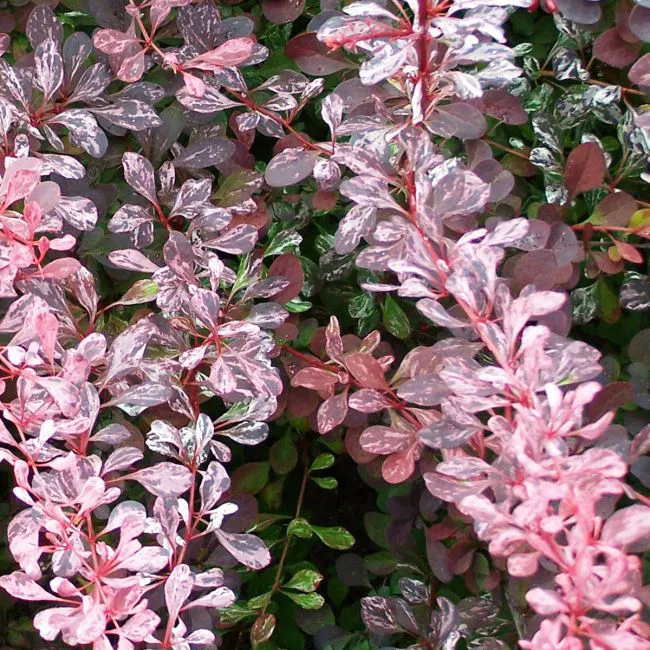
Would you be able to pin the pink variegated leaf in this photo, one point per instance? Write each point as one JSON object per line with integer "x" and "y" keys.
{"x": 139, "y": 174}
{"x": 399, "y": 467}
{"x": 424, "y": 390}
{"x": 41, "y": 24}
{"x": 19, "y": 585}
{"x": 201, "y": 638}
{"x": 383, "y": 440}
{"x": 628, "y": 529}
{"x": 237, "y": 240}
{"x": 84, "y": 131}
{"x": 133, "y": 261}
{"x": 369, "y": 191}
{"x": 215, "y": 482}
{"x": 146, "y": 394}
{"x": 121, "y": 459}
{"x": 210, "y": 101}
{"x": 460, "y": 192}
{"x": 231, "y": 53}
{"x": 368, "y": 400}
{"x": 49, "y": 67}
{"x": 247, "y": 549}
{"x": 546, "y": 602}
{"x": 219, "y": 598}
{"x": 203, "y": 153}
{"x": 366, "y": 370}
{"x": 164, "y": 479}
{"x": 130, "y": 114}
{"x": 333, "y": 340}
{"x": 332, "y": 412}
{"x": 149, "y": 559}
{"x": 315, "y": 379}
{"x": 290, "y": 167}
{"x": 59, "y": 269}
{"x": 140, "y": 626}
{"x": 17, "y": 184}
{"x": 436, "y": 313}
{"x": 357, "y": 223}
{"x": 177, "y": 589}
{"x": 193, "y": 196}
{"x": 65, "y": 394}
{"x": 112, "y": 41}
{"x": 127, "y": 350}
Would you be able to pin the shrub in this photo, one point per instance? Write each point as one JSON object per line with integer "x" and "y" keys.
{"x": 246, "y": 246}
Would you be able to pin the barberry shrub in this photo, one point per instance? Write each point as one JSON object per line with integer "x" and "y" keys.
{"x": 325, "y": 324}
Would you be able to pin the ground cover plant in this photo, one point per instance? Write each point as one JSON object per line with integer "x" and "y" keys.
{"x": 324, "y": 324}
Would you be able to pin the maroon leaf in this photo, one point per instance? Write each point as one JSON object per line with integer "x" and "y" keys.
{"x": 612, "y": 49}
{"x": 585, "y": 168}
{"x": 640, "y": 72}
{"x": 282, "y": 11}
{"x": 287, "y": 266}
{"x": 312, "y": 56}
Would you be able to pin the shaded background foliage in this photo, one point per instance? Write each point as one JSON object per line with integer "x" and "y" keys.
{"x": 216, "y": 169}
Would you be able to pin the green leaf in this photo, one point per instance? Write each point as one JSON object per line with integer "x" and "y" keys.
{"x": 376, "y": 524}
{"x": 236, "y": 613}
{"x": 300, "y": 528}
{"x": 296, "y": 306}
{"x": 607, "y": 301}
{"x": 335, "y": 537}
{"x": 584, "y": 304}
{"x": 382, "y": 563}
{"x": 306, "y": 580}
{"x": 306, "y": 601}
{"x": 323, "y": 461}
{"x": 272, "y": 493}
{"x": 251, "y": 478}
{"x": 361, "y": 306}
{"x": 283, "y": 454}
{"x": 259, "y": 602}
{"x": 141, "y": 291}
{"x": 286, "y": 241}
{"x": 327, "y": 482}
{"x": 395, "y": 320}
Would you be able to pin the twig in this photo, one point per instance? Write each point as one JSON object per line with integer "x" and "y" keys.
{"x": 287, "y": 541}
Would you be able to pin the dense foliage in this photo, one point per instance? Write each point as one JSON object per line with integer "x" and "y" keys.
{"x": 325, "y": 324}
